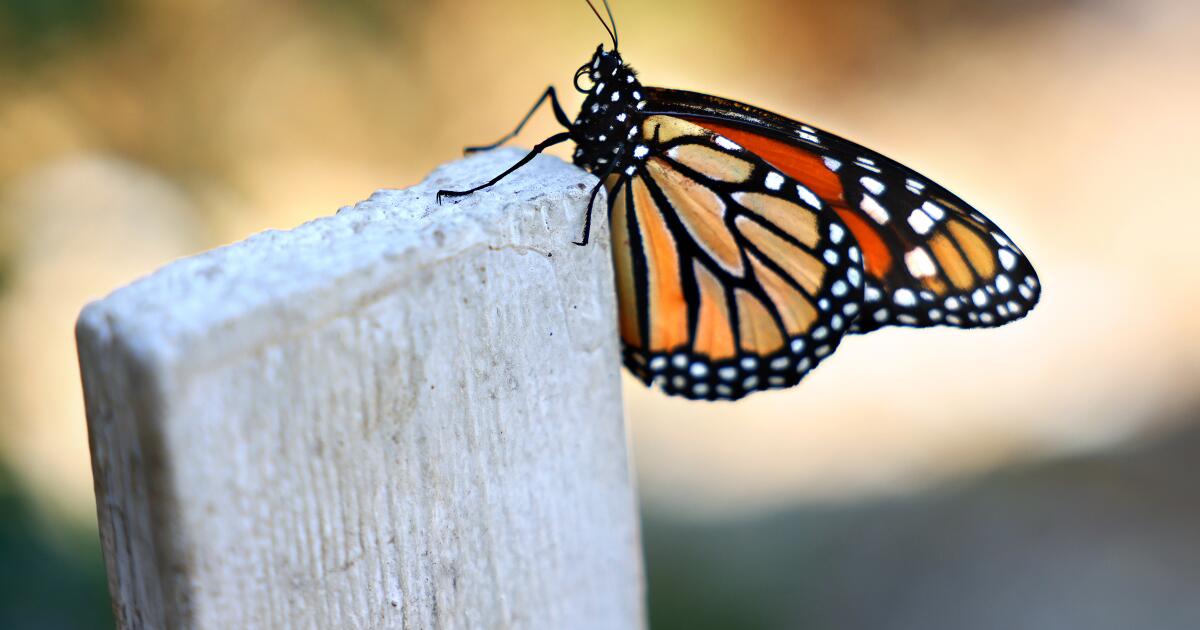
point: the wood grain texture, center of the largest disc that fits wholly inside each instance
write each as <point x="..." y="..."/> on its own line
<point x="403" y="416"/>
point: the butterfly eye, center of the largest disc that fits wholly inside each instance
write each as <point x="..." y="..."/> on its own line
<point x="583" y="73"/>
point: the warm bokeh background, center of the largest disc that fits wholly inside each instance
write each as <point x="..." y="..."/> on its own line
<point x="1035" y="476"/>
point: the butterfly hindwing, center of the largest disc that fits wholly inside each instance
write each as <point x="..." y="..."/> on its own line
<point x="731" y="276"/>
<point x="929" y="257"/>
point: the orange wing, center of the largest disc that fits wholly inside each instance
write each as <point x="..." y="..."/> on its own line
<point x="731" y="276"/>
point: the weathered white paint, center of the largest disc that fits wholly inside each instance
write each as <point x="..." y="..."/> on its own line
<point x="402" y="416"/>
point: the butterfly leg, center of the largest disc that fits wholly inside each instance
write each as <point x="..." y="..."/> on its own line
<point x="557" y="138"/>
<point x="559" y="114"/>
<point x="587" y="218"/>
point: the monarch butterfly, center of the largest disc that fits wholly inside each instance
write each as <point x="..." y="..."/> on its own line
<point x="746" y="245"/>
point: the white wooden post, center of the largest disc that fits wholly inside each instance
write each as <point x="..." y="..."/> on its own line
<point x="403" y="416"/>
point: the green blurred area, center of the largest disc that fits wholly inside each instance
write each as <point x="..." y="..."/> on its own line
<point x="34" y="31"/>
<point x="51" y="573"/>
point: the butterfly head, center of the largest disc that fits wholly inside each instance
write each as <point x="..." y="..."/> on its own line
<point x="604" y="66"/>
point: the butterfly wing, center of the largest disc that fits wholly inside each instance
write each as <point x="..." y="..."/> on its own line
<point x="930" y="258"/>
<point x="731" y="276"/>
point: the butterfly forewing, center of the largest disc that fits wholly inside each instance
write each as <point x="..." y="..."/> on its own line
<point x="929" y="257"/>
<point x="731" y="275"/>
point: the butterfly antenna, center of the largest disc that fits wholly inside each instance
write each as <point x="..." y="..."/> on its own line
<point x="612" y="21"/>
<point x="602" y="22"/>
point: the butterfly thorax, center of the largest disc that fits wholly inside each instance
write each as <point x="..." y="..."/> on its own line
<point x="611" y="113"/>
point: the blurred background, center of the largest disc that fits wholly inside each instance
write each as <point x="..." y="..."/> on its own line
<point x="1040" y="475"/>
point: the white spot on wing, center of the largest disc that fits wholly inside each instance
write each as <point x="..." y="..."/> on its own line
<point x="726" y="143"/>
<point x="774" y="180"/>
<point x="868" y="164"/>
<point x="832" y="164"/>
<point x="836" y="233"/>
<point x="920" y="265"/>
<point x="979" y="297"/>
<point x="904" y="297"/>
<point x="808" y="197"/>
<point x="640" y="151"/>
<point x="1003" y="285"/>
<point x="876" y="211"/>
<point x="1007" y="259"/>
<point x="874" y="185"/>
<point x="933" y="210"/>
<point x="920" y="222"/>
